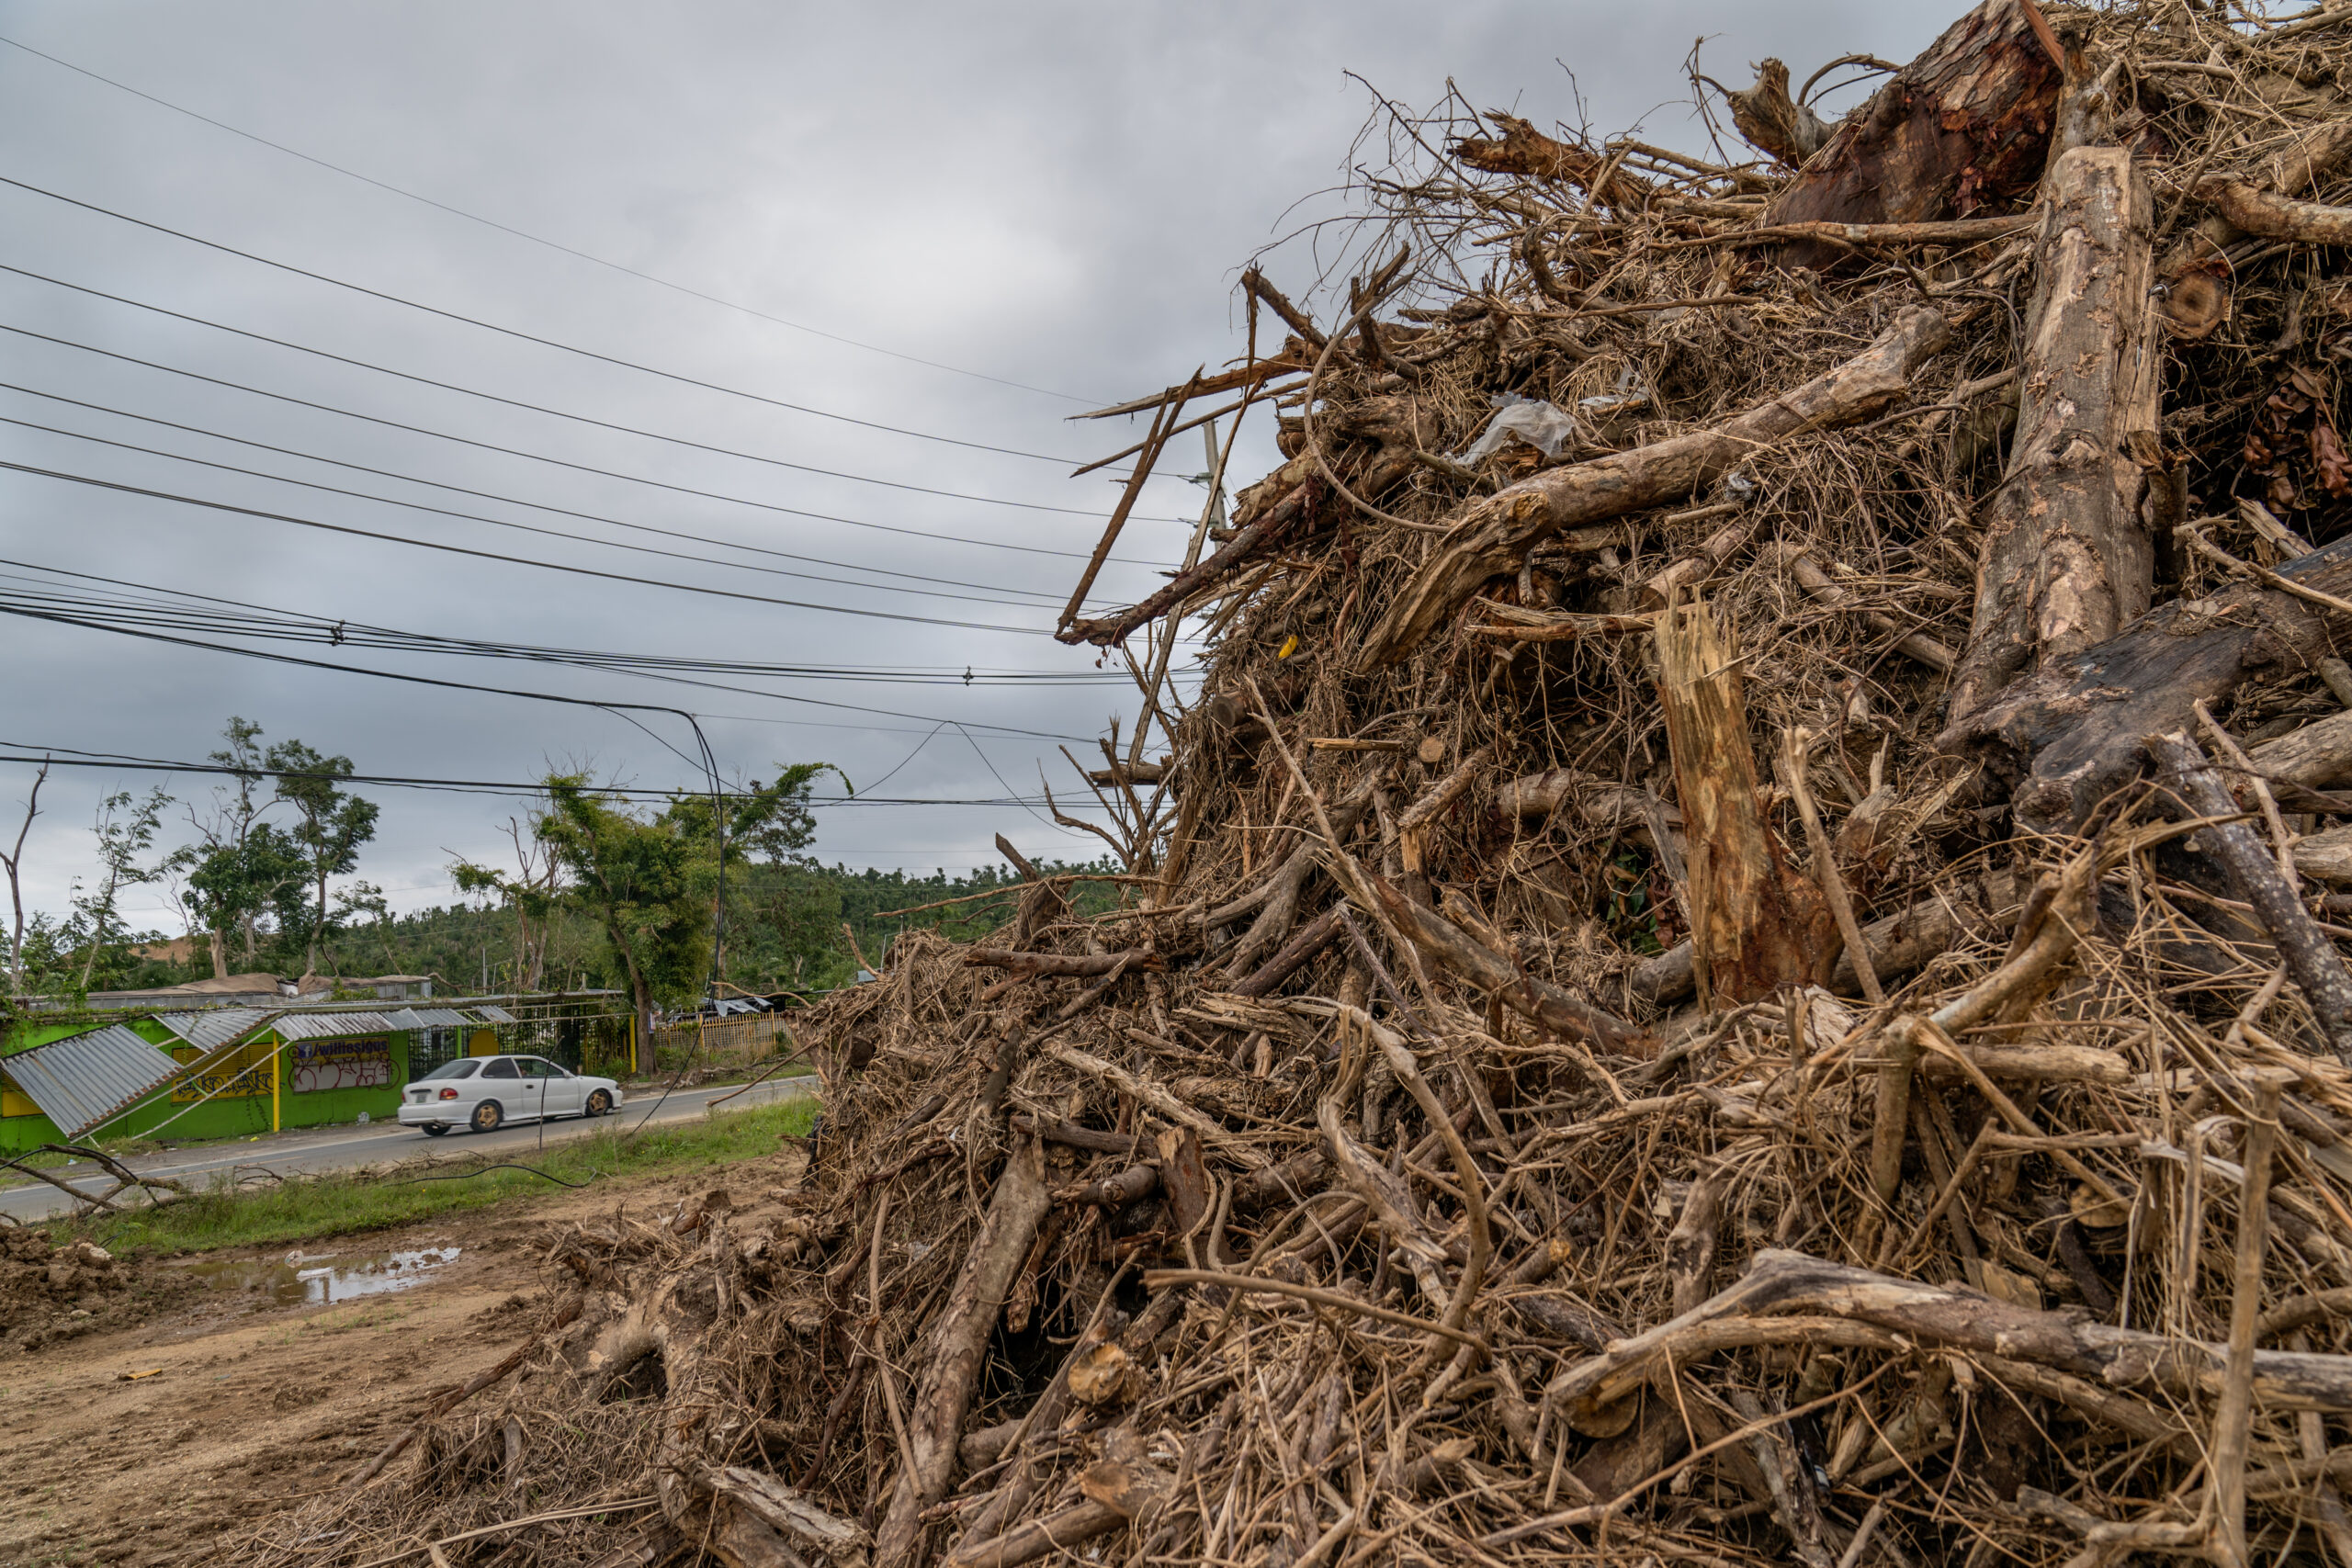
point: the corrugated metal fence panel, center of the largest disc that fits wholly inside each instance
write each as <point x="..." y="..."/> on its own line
<point x="81" y="1081"/>
<point x="213" y="1027"/>
<point x="332" y="1025"/>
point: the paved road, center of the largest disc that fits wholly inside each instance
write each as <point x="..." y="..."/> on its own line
<point x="343" y="1148"/>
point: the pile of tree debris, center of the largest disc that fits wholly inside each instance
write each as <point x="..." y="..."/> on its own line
<point x="1738" y="961"/>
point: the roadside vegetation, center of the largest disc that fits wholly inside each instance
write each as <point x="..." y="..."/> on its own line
<point x="341" y="1203"/>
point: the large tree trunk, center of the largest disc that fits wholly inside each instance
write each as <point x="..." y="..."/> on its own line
<point x="2066" y="561"/>
<point x="2068" y="735"/>
<point x="1962" y="130"/>
<point x="219" y="943"/>
<point x="1755" y="926"/>
<point x="1495" y="534"/>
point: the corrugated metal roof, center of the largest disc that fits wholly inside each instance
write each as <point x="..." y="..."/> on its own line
<point x="81" y="1081"/>
<point x="213" y="1027"/>
<point x="427" y="1018"/>
<point x="331" y="1025"/>
<point x="495" y="1014"/>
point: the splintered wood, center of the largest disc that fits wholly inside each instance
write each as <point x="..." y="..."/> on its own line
<point x="1757" y="928"/>
<point x="1752" y="974"/>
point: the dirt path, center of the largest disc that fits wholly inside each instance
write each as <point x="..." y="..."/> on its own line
<point x="253" y="1402"/>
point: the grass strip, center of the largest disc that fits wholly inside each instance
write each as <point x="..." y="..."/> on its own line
<point x="334" y="1203"/>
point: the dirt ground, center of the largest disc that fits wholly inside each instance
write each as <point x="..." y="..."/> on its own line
<point x="189" y="1401"/>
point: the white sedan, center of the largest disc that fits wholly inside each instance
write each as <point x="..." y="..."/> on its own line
<point x="487" y="1092"/>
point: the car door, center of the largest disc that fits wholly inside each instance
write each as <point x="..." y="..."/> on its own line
<point x="500" y="1079"/>
<point x="563" y="1097"/>
<point x="531" y="1094"/>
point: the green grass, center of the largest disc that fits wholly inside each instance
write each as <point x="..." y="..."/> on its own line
<point x="342" y="1202"/>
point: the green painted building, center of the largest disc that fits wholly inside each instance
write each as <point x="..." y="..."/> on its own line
<point x="232" y="1071"/>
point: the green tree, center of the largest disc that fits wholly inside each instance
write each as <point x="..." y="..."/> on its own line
<point x="235" y="881"/>
<point x="239" y="866"/>
<point x="125" y="828"/>
<point x="655" y="883"/>
<point x="331" y="824"/>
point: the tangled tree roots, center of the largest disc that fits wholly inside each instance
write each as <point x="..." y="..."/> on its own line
<point x="1695" y="987"/>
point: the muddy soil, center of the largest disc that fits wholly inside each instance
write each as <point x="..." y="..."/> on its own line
<point x="198" y="1396"/>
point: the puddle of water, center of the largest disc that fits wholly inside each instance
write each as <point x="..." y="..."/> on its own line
<point x="320" y="1280"/>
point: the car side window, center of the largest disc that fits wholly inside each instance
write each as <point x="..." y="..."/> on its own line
<point x="501" y="1068"/>
<point x="548" y="1070"/>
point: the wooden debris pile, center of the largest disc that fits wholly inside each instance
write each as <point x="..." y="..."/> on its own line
<point x="1748" y="970"/>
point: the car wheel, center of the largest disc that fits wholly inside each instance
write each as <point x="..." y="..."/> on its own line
<point x="599" y="1103"/>
<point x="435" y="1129"/>
<point x="488" y="1115"/>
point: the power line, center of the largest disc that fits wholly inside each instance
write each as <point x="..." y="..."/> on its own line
<point x="485" y="494"/>
<point x="542" y="409"/>
<point x="987" y="598"/>
<point x="511" y="560"/>
<point x="182" y="610"/>
<point x="555" y="462"/>
<point x="537" y="240"/>
<point x="521" y="336"/>
<point x="87" y="624"/>
<point x="75" y="758"/>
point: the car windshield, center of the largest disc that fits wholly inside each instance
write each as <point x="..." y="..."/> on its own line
<point x="457" y="1069"/>
<point x="500" y="1067"/>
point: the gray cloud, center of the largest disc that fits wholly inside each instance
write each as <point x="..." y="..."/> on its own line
<point x="1059" y="195"/>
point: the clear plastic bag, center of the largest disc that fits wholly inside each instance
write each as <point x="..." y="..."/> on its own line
<point x="1540" y="425"/>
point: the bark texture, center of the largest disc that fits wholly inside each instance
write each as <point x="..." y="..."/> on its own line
<point x="1495" y="536"/>
<point x="1963" y="131"/>
<point x="2067" y="560"/>
<point x="935" y="1419"/>
<point x="2311" y="956"/>
<point x="1783" y="1285"/>
<point x="2066" y="737"/>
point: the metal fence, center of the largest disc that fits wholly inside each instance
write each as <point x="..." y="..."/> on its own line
<point x="720" y="1043"/>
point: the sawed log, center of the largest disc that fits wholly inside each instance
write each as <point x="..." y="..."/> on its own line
<point x="1495" y="534"/>
<point x="2067" y="560"/>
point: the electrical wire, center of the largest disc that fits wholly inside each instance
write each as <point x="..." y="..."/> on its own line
<point x="993" y="595"/>
<point x="123" y="489"/>
<point x="521" y="336"/>
<point x="555" y="414"/>
<point x="179" y="610"/>
<point x="490" y="495"/>
<point x="75" y="757"/>
<point x="62" y="618"/>
<point x="535" y="239"/>
<point x="552" y="462"/>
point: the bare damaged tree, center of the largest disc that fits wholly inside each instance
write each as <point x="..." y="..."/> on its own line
<point x="14" y="860"/>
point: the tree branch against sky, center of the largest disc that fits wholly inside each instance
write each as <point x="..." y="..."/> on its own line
<point x="14" y="860"/>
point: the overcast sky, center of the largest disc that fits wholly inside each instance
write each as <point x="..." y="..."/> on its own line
<point x="1057" y="195"/>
